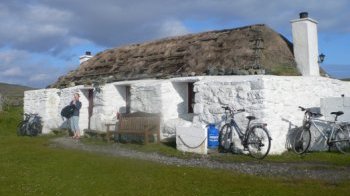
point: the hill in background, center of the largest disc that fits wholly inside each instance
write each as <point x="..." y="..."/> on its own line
<point x="13" y="94"/>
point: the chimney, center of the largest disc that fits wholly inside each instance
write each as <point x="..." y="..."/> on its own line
<point x="85" y="57"/>
<point x="305" y="44"/>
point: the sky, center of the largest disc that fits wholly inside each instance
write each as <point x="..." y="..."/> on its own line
<point x="41" y="40"/>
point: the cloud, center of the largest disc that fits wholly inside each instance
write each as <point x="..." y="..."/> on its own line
<point x="58" y="29"/>
<point x="172" y="28"/>
<point x="21" y="67"/>
<point x="51" y="25"/>
<point x="39" y="77"/>
<point x="14" y="71"/>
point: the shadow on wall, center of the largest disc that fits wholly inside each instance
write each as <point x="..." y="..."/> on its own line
<point x="65" y="124"/>
<point x="182" y="89"/>
<point x="292" y="130"/>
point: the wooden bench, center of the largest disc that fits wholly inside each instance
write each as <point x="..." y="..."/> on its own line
<point x="138" y="123"/>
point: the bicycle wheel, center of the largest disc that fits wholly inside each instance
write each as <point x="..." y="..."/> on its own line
<point x="21" y="128"/>
<point x="342" y="140"/>
<point x="258" y="142"/>
<point x="301" y="142"/>
<point x="34" y="129"/>
<point x="225" y="142"/>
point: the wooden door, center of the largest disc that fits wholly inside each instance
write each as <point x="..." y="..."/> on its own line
<point x="91" y="104"/>
<point x="190" y="97"/>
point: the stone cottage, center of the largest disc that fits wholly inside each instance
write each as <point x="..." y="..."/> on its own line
<point x="188" y="78"/>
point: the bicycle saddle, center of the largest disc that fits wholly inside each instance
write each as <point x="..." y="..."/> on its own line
<point x="251" y="117"/>
<point x="339" y="113"/>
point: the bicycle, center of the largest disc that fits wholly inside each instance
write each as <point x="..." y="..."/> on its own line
<point x="31" y="125"/>
<point x="255" y="139"/>
<point x="338" y="136"/>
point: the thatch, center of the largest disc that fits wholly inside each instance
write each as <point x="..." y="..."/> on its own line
<point x="224" y="52"/>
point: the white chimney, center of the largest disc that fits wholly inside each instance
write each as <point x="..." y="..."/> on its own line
<point x="85" y="57"/>
<point x="305" y="43"/>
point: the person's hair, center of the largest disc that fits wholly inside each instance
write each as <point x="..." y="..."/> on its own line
<point x="77" y="94"/>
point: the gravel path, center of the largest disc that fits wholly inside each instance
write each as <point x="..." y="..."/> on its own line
<point x="285" y="170"/>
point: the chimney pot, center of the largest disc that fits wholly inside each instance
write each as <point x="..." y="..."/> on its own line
<point x="303" y="15"/>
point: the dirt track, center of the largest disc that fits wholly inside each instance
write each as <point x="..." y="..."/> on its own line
<point x="317" y="171"/>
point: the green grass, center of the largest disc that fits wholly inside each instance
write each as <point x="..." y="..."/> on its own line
<point x="30" y="166"/>
<point x="284" y="70"/>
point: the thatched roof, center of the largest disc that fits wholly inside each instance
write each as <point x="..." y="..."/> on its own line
<point x="224" y="52"/>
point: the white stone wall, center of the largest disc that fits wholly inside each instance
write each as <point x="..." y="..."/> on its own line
<point x="272" y="99"/>
<point x="334" y="104"/>
<point x="161" y="96"/>
<point x="108" y="101"/>
<point x="45" y="103"/>
<point x="168" y="97"/>
<point x="239" y="92"/>
<point x="283" y="96"/>
<point x="174" y="107"/>
<point x="146" y="97"/>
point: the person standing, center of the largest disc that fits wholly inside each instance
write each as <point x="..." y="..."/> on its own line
<point x="74" y="120"/>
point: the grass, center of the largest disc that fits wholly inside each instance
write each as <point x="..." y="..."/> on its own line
<point x="30" y="166"/>
<point x="284" y="70"/>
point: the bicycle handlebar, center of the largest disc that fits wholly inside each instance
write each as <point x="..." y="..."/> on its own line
<point x="232" y="109"/>
<point x="308" y="111"/>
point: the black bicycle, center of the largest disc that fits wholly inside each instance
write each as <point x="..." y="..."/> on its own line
<point x="255" y="139"/>
<point x="337" y="135"/>
<point x="30" y="126"/>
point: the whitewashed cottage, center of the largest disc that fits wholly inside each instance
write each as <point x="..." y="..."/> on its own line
<point x="187" y="79"/>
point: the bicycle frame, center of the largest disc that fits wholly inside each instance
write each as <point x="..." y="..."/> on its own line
<point x="332" y="124"/>
<point x="320" y="130"/>
<point x="237" y="129"/>
<point x="242" y="135"/>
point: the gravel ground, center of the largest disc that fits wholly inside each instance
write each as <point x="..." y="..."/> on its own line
<point x="284" y="170"/>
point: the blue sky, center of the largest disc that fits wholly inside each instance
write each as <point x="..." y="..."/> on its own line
<point x="41" y="40"/>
